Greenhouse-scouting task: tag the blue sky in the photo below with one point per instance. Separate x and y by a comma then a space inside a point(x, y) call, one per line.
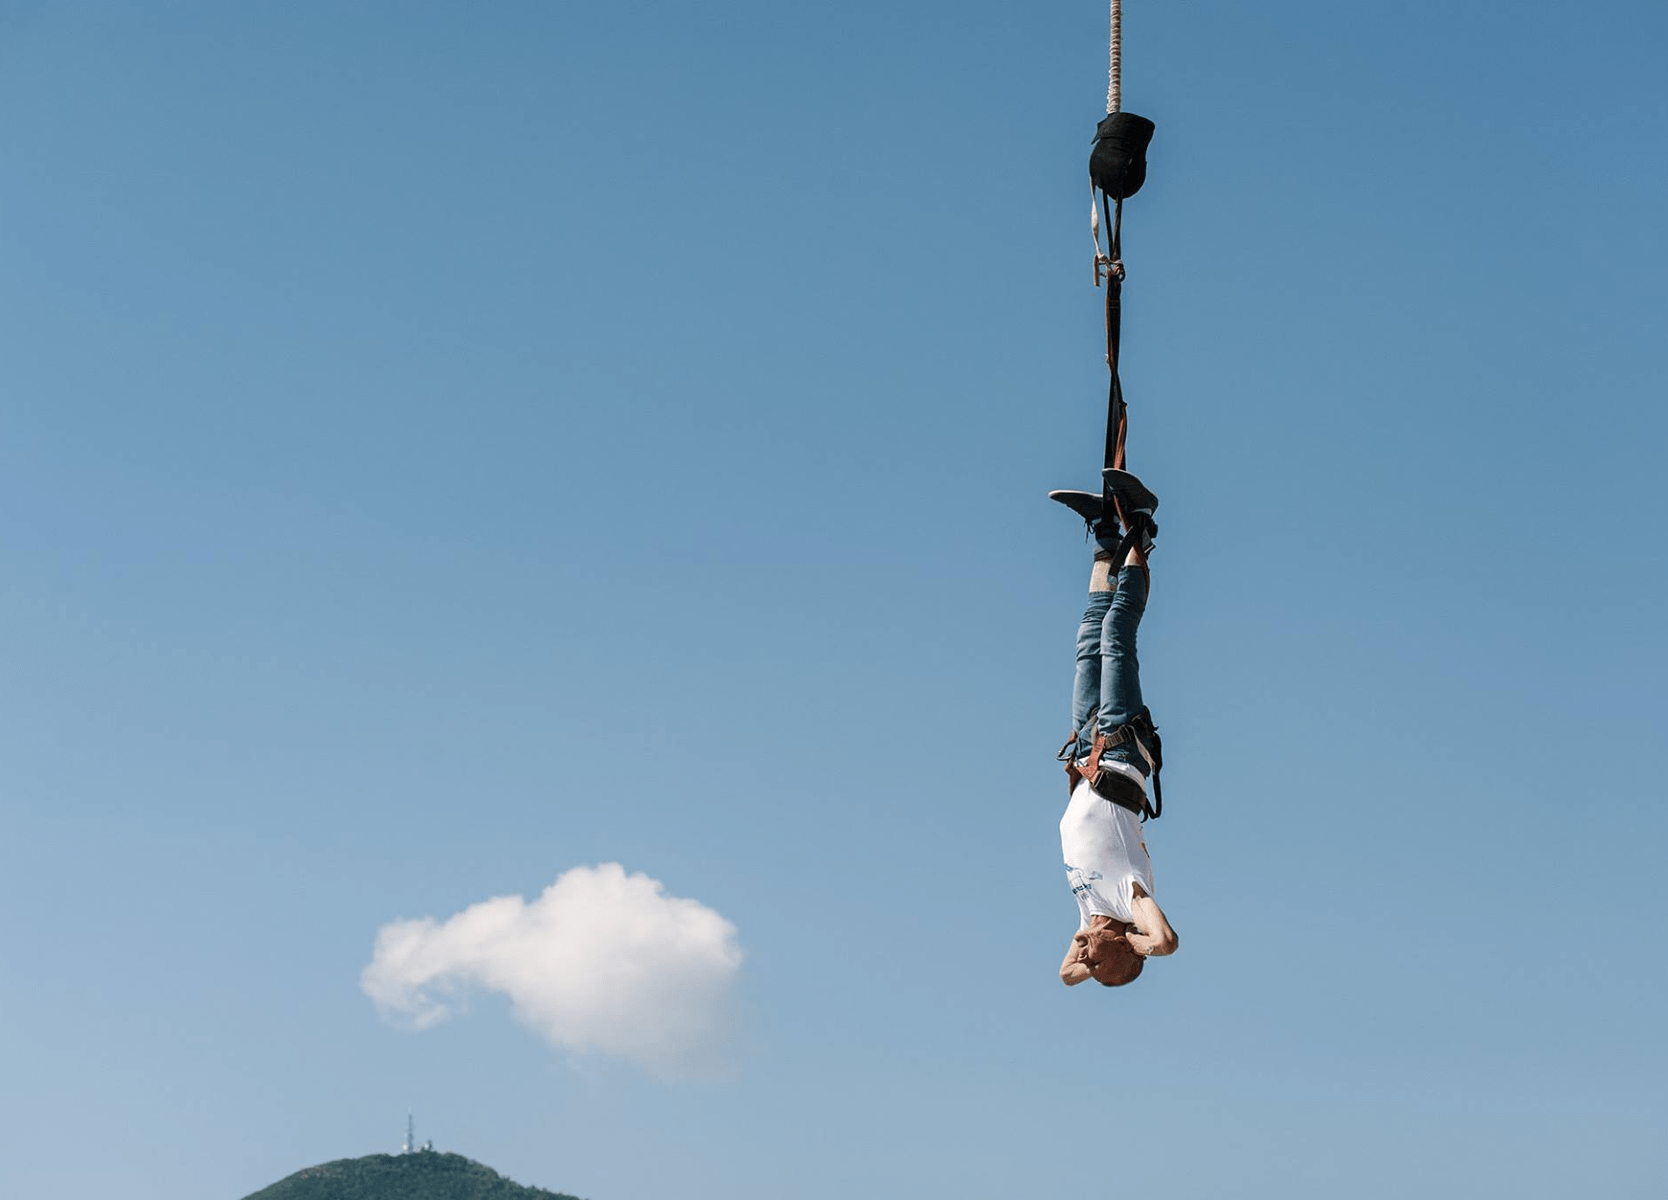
point(443, 446)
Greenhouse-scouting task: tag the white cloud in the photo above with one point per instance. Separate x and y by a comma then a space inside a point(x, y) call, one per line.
point(602, 962)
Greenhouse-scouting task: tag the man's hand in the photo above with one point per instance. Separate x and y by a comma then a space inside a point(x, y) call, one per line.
point(1074, 970)
point(1152, 936)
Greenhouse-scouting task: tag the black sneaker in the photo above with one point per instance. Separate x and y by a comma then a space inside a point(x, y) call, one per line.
point(1132, 495)
point(1085, 504)
point(1137, 504)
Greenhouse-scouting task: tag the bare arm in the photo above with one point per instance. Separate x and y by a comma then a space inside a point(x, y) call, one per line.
point(1152, 935)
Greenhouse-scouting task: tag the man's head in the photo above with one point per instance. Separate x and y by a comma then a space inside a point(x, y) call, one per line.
point(1102, 952)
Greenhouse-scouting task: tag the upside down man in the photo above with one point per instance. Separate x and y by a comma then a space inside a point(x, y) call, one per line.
point(1113, 751)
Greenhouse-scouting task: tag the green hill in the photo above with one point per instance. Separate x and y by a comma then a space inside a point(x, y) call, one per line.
point(426, 1175)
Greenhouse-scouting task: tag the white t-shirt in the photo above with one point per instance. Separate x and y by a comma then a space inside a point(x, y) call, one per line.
point(1105, 855)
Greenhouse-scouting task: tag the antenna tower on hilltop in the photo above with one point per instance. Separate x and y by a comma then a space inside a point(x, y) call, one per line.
point(411, 1146)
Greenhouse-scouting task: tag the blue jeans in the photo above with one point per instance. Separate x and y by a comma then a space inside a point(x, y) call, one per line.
point(1108, 672)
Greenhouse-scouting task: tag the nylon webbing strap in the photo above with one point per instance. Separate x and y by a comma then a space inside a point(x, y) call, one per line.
point(1117, 412)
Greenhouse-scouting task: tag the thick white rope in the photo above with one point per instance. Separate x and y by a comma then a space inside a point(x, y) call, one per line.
point(1114, 86)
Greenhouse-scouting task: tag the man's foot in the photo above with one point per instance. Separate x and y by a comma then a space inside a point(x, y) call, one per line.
point(1137, 504)
point(1091, 507)
point(1085, 504)
point(1131, 494)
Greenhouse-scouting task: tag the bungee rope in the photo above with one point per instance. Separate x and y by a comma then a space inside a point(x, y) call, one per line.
point(1115, 60)
point(1117, 169)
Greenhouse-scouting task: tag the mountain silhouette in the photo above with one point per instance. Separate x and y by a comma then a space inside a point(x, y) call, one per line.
point(422, 1175)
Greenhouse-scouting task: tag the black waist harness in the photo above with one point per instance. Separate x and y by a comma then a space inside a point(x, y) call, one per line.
point(1115, 786)
point(1123, 791)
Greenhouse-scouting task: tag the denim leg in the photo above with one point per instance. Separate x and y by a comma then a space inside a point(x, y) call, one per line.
point(1120, 672)
point(1086, 685)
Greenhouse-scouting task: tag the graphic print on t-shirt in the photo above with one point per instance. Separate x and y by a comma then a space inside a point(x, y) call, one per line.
point(1081, 880)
